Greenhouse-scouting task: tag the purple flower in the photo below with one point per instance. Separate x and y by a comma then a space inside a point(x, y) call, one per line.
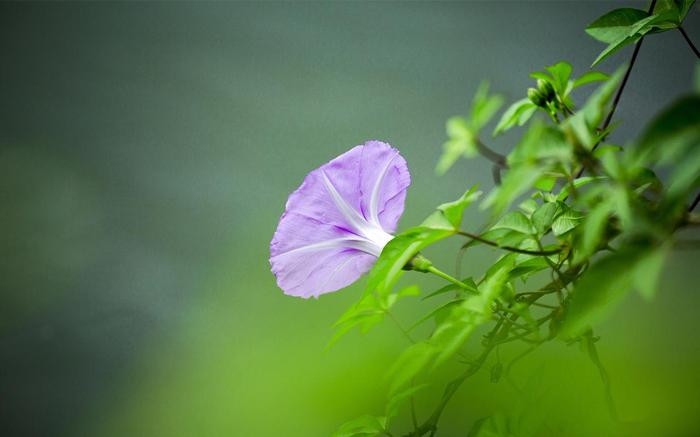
point(337, 222)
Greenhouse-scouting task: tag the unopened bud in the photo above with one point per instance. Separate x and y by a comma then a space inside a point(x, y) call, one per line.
point(546, 89)
point(418, 263)
point(536, 98)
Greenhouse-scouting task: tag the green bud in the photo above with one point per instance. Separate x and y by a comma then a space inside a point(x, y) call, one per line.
point(536, 98)
point(546, 89)
point(418, 263)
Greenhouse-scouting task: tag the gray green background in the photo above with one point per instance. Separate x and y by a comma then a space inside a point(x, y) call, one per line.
point(146, 153)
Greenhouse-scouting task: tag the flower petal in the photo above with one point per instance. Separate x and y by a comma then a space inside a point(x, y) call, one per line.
point(337, 222)
point(384, 179)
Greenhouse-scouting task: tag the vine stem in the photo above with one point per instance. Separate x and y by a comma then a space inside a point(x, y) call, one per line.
point(690, 43)
point(498, 333)
point(618, 95)
point(492, 156)
point(508, 248)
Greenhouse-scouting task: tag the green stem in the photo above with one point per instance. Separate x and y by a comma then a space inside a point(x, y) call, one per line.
point(492, 156)
point(437, 272)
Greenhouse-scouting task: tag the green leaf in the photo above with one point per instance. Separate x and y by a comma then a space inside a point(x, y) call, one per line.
point(397, 253)
point(461, 143)
point(596, 106)
point(589, 77)
point(516, 221)
point(492, 426)
point(449, 215)
point(484, 107)
point(674, 11)
point(630, 35)
point(516, 181)
point(410, 363)
point(648, 270)
point(543, 217)
point(395, 402)
point(540, 143)
point(464, 318)
point(561, 72)
point(437, 314)
point(376, 299)
point(527, 268)
point(600, 288)
point(671, 133)
point(517, 114)
point(363, 426)
point(585, 180)
point(592, 232)
point(412, 290)
point(567, 220)
point(615, 24)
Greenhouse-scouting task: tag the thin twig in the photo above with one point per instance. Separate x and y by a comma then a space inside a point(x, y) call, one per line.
point(616, 100)
point(690, 43)
point(508, 248)
point(695, 203)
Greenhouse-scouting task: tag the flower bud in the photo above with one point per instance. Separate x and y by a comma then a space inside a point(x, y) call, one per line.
point(546, 89)
point(536, 98)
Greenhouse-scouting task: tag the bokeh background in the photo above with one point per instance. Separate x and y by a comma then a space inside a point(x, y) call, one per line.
point(146, 153)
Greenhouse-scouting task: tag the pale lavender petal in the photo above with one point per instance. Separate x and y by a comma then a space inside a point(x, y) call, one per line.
point(337, 222)
point(384, 179)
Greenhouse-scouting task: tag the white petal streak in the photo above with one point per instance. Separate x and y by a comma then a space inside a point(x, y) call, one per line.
point(374, 198)
point(349, 213)
point(357, 243)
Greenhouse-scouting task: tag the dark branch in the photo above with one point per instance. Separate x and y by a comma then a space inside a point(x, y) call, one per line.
point(690, 43)
point(616, 100)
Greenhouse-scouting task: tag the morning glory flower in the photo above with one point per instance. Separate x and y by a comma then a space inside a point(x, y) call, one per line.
point(337, 222)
